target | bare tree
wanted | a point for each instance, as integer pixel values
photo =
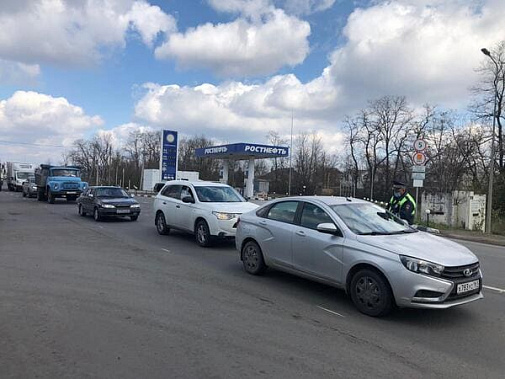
(491, 88)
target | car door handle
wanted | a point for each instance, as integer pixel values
(164, 203)
(262, 222)
(300, 233)
(177, 206)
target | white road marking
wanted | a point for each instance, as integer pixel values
(168, 251)
(499, 290)
(330, 311)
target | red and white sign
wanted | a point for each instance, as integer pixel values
(420, 145)
(419, 158)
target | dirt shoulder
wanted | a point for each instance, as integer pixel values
(473, 236)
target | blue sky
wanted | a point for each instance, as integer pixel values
(232, 70)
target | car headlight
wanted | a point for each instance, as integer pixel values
(225, 216)
(135, 206)
(108, 206)
(56, 186)
(421, 266)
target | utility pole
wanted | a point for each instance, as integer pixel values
(489, 207)
(290, 155)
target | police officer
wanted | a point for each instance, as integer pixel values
(402, 203)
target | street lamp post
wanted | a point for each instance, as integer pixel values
(491, 164)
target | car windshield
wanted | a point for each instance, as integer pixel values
(370, 219)
(110, 192)
(65, 172)
(31, 179)
(23, 175)
(218, 194)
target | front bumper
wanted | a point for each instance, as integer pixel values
(66, 193)
(414, 290)
(118, 212)
(223, 228)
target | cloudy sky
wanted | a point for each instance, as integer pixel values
(232, 70)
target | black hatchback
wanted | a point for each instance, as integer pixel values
(108, 201)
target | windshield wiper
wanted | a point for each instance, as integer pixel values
(374, 234)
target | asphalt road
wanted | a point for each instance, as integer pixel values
(114, 299)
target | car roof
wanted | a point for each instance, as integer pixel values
(328, 200)
(199, 183)
(104, 187)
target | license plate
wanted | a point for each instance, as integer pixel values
(123, 211)
(467, 287)
(71, 193)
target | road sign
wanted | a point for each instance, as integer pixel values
(420, 145)
(419, 158)
(418, 175)
(418, 183)
(168, 156)
(419, 169)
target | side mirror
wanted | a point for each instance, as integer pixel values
(329, 228)
(188, 199)
(132, 195)
(90, 195)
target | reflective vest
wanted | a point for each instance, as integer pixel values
(393, 202)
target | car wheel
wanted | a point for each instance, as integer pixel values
(50, 197)
(81, 211)
(161, 224)
(24, 193)
(96, 215)
(370, 293)
(202, 234)
(252, 259)
(134, 218)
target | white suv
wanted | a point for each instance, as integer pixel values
(206, 209)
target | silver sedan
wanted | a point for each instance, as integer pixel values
(359, 247)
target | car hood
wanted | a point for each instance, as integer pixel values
(423, 246)
(238, 207)
(118, 200)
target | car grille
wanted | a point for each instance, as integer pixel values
(70, 185)
(458, 272)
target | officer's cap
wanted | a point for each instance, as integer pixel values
(398, 184)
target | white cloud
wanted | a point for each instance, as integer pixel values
(234, 111)
(75, 32)
(14, 72)
(36, 126)
(119, 134)
(250, 8)
(425, 50)
(255, 8)
(243, 47)
(305, 7)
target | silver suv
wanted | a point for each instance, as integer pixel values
(361, 248)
